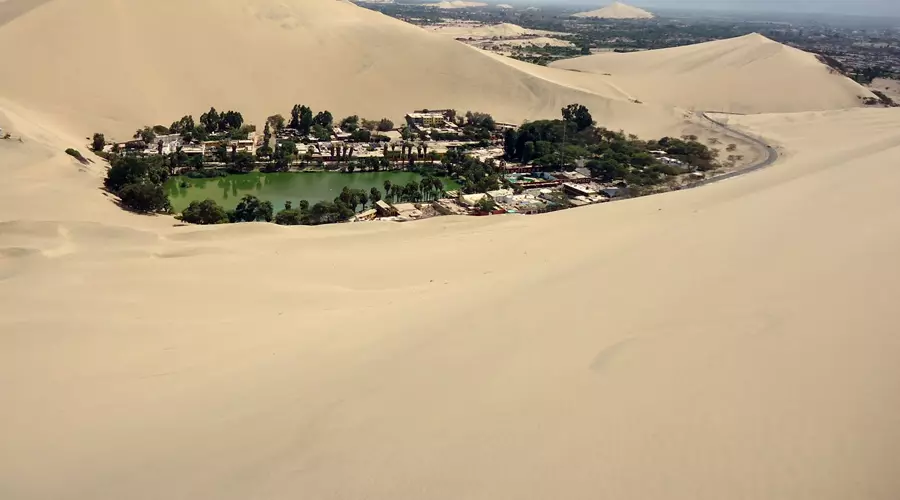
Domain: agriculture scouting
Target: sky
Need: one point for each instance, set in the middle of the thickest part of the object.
(854, 7)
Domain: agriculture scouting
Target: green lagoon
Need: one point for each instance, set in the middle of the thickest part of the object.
(282, 186)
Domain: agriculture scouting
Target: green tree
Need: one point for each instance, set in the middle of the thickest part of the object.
(350, 124)
(243, 162)
(510, 139)
(99, 142)
(285, 154)
(324, 119)
(267, 134)
(481, 120)
(486, 205)
(183, 126)
(210, 120)
(305, 120)
(387, 186)
(204, 212)
(361, 135)
(144, 197)
(251, 209)
(289, 216)
(277, 122)
(145, 134)
(374, 195)
(579, 115)
(385, 125)
(135, 169)
(320, 132)
(362, 198)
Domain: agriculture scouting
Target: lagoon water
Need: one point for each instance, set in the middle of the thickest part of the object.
(281, 186)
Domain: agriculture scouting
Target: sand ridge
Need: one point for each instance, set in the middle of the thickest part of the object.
(748, 74)
(375, 54)
(617, 10)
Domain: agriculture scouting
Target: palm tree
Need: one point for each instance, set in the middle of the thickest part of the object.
(387, 186)
(438, 186)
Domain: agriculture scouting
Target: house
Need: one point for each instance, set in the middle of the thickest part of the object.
(426, 119)
(500, 193)
(613, 192)
(470, 200)
(573, 189)
(672, 162)
(367, 215)
(384, 209)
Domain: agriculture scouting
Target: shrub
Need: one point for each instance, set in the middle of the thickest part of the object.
(251, 209)
(133, 169)
(289, 217)
(204, 212)
(385, 125)
(77, 155)
(98, 142)
(144, 197)
(486, 205)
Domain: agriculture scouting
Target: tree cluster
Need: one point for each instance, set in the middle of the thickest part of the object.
(611, 156)
(138, 182)
(473, 175)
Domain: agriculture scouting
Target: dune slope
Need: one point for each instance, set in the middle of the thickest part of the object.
(749, 74)
(617, 10)
(723, 342)
(125, 64)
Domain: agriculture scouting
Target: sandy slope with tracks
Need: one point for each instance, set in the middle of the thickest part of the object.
(732, 341)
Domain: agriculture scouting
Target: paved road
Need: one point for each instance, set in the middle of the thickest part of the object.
(771, 155)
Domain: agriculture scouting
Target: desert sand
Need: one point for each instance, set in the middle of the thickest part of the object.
(375, 53)
(890, 88)
(748, 74)
(539, 41)
(732, 341)
(617, 10)
(475, 30)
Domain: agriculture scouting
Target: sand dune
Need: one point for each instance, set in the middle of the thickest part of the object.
(732, 341)
(482, 30)
(716, 343)
(749, 74)
(161, 60)
(617, 10)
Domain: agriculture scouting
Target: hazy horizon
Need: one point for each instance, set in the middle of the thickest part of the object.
(855, 7)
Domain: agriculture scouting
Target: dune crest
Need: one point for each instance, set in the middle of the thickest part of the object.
(748, 74)
(617, 10)
(134, 63)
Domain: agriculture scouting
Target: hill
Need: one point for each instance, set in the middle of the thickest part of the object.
(481, 30)
(128, 64)
(475, 30)
(749, 74)
(617, 10)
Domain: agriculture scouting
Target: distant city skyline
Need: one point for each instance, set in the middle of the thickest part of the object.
(847, 7)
